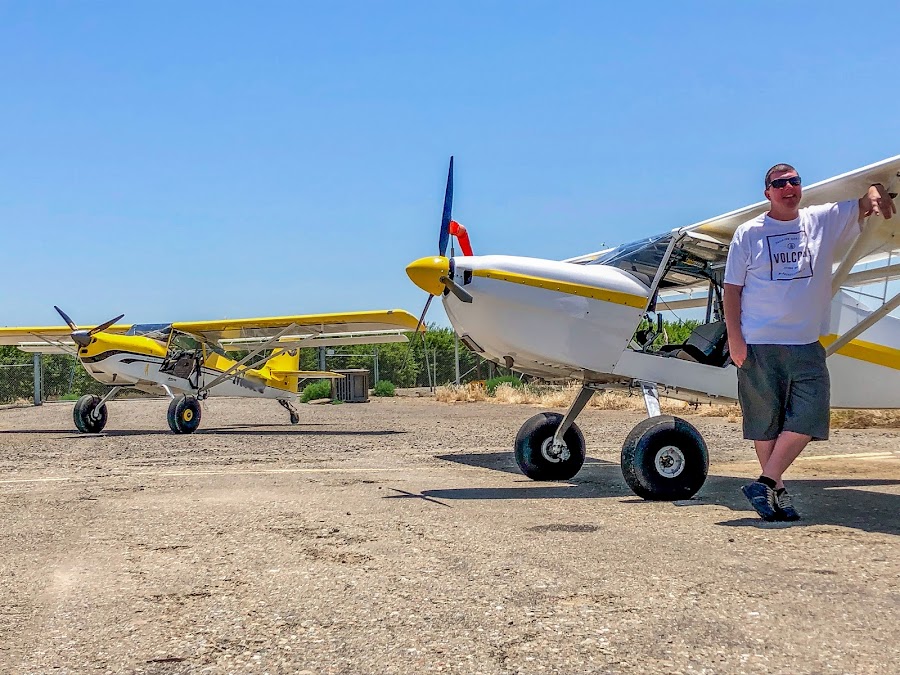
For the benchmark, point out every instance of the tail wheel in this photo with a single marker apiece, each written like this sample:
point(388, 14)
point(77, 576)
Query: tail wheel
point(89, 419)
point(665, 458)
point(535, 454)
point(295, 417)
point(184, 414)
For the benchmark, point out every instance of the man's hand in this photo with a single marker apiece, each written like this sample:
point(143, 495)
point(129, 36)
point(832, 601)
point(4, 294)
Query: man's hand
point(877, 201)
point(737, 349)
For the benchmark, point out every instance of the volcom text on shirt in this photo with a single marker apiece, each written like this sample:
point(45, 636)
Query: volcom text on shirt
point(785, 268)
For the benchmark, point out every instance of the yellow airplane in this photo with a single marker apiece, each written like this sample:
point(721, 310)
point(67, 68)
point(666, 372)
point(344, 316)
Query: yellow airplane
point(188, 361)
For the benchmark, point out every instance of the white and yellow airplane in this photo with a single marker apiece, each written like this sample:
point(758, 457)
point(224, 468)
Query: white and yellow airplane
point(188, 361)
point(595, 318)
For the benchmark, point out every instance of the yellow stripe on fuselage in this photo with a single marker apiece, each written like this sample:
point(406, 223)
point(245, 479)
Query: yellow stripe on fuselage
point(870, 352)
point(567, 287)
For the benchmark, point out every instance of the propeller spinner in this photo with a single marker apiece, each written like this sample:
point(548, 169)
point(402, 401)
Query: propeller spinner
point(82, 336)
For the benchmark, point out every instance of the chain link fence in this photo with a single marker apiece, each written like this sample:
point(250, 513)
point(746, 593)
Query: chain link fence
point(17, 383)
point(62, 377)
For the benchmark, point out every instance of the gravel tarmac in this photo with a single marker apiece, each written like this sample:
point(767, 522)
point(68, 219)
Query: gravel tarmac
point(398, 536)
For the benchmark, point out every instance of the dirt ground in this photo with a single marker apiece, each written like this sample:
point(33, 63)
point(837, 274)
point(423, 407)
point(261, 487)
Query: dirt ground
point(398, 536)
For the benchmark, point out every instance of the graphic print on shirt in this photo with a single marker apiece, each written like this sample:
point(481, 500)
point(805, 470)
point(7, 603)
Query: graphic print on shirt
point(789, 256)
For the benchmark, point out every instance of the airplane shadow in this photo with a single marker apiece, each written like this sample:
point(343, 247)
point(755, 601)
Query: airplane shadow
point(848, 502)
point(237, 430)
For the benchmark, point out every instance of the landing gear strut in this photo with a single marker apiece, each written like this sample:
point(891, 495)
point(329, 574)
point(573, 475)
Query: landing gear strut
point(663, 457)
point(287, 405)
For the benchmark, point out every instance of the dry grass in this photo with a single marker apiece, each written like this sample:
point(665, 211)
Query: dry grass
point(562, 397)
point(464, 393)
point(865, 419)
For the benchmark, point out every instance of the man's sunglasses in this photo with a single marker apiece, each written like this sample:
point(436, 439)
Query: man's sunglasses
point(779, 183)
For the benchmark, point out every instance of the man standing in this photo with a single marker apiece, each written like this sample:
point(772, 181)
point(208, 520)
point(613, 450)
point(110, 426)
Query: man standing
point(777, 304)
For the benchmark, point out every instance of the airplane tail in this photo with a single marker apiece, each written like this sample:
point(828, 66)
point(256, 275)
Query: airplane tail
point(284, 365)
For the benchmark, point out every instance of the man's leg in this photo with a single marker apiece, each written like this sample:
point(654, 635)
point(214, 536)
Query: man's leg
point(762, 392)
point(764, 452)
point(806, 416)
point(788, 447)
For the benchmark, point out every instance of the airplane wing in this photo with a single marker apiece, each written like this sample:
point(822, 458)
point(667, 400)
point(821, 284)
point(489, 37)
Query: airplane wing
point(305, 330)
point(46, 339)
point(703, 246)
point(850, 185)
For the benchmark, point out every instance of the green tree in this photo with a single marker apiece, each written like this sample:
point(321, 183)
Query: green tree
point(679, 331)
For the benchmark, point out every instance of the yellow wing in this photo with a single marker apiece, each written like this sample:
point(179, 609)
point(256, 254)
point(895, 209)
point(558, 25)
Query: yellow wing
point(46, 339)
point(305, 330)
point(302, 330)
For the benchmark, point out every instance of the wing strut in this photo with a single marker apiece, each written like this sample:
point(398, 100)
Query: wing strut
point(863, 244)
point(226, 374)
point(59, 345)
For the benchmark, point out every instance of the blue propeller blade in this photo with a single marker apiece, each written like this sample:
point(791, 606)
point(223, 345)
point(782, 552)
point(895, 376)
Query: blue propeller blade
point(444, 238)
point(65, 317)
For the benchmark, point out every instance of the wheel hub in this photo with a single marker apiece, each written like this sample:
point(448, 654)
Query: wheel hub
point(188, 415)
point(555, 453)
point(669, 461)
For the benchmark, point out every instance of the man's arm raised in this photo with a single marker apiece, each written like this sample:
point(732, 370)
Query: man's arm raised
point(877, 201)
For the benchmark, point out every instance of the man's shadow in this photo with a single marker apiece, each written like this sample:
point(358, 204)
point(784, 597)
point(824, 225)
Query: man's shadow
point(848, 502)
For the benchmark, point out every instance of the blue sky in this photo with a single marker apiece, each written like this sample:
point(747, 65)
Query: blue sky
point(200, 160)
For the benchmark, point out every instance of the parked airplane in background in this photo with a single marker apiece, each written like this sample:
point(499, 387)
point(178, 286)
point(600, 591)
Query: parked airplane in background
point(596, 318)
point(188, 360)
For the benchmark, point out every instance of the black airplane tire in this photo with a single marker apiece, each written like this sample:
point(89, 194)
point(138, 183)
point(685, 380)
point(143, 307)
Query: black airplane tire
point(184, 414)
point(295, 418)
point(533, 448)
point(85, 422)
point(665, 458)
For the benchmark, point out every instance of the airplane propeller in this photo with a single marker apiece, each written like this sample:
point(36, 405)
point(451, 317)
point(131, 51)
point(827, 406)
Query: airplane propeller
point(82, 336)
point(435, 274)
point(444, 236)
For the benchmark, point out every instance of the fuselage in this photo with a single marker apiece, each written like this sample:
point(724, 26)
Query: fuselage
point(136, 361)
point(563, 320)
point(545, 317)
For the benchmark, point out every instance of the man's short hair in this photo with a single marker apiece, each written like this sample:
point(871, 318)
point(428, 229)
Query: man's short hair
point(778, 168)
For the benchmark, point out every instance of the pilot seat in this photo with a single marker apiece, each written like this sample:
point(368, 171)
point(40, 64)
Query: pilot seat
point(707, 344)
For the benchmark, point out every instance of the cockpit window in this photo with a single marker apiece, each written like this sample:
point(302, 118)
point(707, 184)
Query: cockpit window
point(646, 251)
point(692, 259)
point(154, 331)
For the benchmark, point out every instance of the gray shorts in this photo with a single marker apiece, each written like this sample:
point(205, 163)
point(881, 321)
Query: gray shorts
point(785, 388)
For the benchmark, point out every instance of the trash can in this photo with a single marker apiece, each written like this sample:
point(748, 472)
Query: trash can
point(353, 387)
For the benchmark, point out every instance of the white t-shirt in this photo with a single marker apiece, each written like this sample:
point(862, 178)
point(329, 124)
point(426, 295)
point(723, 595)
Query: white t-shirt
point(785, 268)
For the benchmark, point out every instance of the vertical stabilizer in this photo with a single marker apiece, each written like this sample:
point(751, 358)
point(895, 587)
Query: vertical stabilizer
point(283, 366)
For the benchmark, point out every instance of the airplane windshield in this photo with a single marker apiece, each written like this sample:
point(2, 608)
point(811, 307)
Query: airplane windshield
point(643, 250)
point(155, 331)
point(692, 260)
